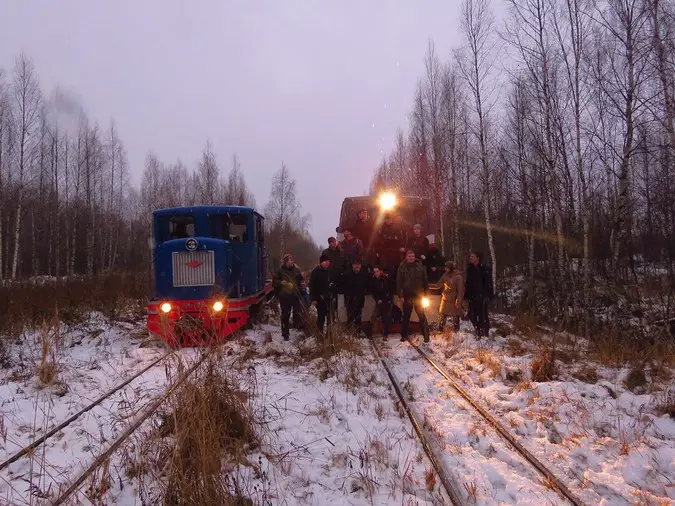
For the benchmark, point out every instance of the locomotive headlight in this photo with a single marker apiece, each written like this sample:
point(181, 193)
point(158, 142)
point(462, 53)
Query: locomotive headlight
point(166, 307)
point(425, 302)
point(387, 201)
point(217, 306)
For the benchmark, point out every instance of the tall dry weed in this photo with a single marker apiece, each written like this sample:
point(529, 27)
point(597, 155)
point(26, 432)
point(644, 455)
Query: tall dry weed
point(211, 422)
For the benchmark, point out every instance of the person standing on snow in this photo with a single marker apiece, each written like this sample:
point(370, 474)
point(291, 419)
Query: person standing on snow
point(412, 284)
point(355, 286)
point(320, 291)
point(336, 271)
point(287, 288)
point(478, 291)
point(452, 298)
point(381, 290)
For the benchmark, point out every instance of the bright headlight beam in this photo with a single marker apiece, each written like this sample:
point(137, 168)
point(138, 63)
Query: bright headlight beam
point(217, 306)
point(425, 302)
point(387, 201)
point(166, 307)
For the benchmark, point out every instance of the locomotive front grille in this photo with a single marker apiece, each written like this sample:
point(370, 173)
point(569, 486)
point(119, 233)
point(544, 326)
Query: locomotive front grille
point(193, 268)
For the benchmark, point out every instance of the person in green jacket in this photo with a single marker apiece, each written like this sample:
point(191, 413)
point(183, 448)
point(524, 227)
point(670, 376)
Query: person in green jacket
point(287, 288)
point(412, 285)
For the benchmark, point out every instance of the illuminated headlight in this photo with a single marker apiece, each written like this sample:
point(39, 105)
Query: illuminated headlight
point(217, 306)
point(166, 307)
point(425, 302)
point(387, 201)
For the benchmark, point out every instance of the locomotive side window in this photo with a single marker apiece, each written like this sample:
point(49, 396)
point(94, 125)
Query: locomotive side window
point(229, 227)
point(259, 230)
point(175, 227)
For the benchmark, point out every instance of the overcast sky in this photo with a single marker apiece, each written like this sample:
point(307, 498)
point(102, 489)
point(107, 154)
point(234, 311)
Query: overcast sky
point(321, 85)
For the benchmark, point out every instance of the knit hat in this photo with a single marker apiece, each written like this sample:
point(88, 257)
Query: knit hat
point(286, 257)
point(417, 225)
point(323, 258)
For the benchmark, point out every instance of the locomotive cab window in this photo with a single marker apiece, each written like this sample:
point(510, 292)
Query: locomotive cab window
point(176, 227)
point(229, 227)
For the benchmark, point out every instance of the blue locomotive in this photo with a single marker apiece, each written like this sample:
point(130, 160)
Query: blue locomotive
point(210, 267)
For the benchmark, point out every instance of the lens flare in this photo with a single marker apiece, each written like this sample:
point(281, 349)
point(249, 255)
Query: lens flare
point(166, 307)
point(217, 306)
point(387, 201)
point(425, 302)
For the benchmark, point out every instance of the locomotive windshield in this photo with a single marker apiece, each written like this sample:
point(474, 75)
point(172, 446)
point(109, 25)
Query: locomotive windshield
point(175, 227)
point(230, 227)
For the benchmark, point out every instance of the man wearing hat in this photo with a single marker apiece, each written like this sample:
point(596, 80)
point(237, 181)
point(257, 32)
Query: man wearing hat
point(320, 291)
point(452, 299)
point(287, 287)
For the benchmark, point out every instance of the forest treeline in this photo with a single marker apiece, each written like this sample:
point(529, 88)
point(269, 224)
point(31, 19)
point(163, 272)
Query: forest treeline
point(547, 141)
point(67, 206)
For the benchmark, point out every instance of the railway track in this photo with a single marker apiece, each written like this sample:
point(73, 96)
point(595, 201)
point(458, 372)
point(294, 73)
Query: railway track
point(452, 490)
point(28, 449)
point(103, 456)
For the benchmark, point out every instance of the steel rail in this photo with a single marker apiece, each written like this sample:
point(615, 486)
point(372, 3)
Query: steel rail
point(447, 484)
point(26, 449)
point(561, 488)
point(74, 486)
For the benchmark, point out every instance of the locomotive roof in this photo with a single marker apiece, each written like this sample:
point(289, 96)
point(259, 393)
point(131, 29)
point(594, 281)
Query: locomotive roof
point(172, 211)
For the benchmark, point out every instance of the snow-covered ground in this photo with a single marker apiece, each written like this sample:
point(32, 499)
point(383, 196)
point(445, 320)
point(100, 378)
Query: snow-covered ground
point(332, 428)
point(609, 445)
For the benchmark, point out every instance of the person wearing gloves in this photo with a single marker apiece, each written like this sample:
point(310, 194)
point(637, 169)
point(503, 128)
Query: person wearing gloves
point(452, 299)
point(412, 284)
point(287, 287)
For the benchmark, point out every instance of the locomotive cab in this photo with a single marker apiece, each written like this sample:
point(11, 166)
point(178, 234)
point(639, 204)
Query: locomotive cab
point(209, 271)
point(405, 212)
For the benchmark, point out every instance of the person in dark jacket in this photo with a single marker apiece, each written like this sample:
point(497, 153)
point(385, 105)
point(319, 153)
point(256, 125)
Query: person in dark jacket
point(390, 244)
point(478, 291)
point(435, 264)
point(336, 270)
point(412, 285)
point(352, 248)
point(355, 287)
point(287, 287)
point(320, 291)
point(363, 229)
point(418, 243)
point(382, 291)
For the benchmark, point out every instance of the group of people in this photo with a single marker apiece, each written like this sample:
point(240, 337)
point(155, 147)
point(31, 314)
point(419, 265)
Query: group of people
point(392, 263)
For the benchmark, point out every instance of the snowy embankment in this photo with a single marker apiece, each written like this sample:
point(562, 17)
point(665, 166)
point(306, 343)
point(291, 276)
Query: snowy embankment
point(609, 445)
point(331, 428)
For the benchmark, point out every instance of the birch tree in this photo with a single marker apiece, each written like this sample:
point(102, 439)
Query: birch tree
point(27, 98)
point(476, 61)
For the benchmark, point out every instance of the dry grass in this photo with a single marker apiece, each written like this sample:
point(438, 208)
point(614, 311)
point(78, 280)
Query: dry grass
point(543, 365)
point(665, 403)
point(430, 478)
point(471, 488)
point(587, 374)
point(25, 304)
point(487, 359)
point(210, 422)
point(47, 365)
